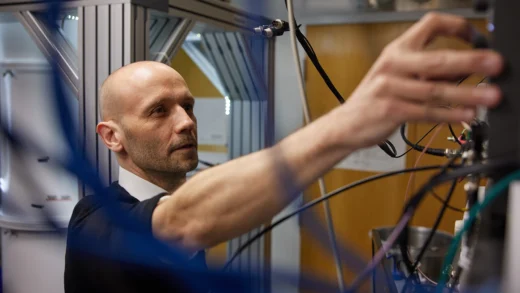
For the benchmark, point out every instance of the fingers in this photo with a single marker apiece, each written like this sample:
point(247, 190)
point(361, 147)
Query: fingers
point(411, 112)
point(444, 63)
point(437, 24)
point(431, 93)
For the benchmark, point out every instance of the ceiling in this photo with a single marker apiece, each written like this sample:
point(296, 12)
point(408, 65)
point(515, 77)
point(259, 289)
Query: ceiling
point(349, 6)
point(312, 8)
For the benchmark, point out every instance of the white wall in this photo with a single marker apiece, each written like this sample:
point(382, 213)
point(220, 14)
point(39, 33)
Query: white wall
point(16, 44)
point(32, 262)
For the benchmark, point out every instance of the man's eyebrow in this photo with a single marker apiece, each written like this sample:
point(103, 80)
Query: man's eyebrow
point(188, 98)
point(149, 106)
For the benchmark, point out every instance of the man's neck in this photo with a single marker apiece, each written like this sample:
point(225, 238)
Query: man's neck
point(166, 180)
point(169, 182)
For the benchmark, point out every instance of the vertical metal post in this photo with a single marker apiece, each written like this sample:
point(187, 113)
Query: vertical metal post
point(242, 66)
point(110, 36)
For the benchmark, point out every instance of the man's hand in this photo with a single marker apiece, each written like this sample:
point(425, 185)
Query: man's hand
point(404, 83)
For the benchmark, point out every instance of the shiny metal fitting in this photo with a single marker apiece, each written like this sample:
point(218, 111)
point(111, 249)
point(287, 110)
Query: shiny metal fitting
point(450, 153)
point(470, 186)
point(277, 24)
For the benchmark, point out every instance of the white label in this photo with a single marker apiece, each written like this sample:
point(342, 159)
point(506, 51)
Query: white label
point(374, 159)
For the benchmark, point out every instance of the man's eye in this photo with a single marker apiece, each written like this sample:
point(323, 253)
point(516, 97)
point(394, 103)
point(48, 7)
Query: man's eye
point(158, 110)
point(188, 108)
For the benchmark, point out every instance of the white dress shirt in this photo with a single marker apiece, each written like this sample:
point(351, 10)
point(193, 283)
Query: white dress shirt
point(137, 186)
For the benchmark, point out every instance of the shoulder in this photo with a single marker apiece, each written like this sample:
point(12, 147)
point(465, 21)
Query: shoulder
point(89, 206)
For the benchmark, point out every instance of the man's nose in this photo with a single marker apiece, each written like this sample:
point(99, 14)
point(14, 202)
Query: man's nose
point(183, 121)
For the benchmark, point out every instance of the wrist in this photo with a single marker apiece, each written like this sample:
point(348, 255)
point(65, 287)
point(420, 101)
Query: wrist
point(343, 131)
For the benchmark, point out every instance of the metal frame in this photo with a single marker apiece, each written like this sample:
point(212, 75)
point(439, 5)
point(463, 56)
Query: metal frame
point(35, 5)
point(174, 41)
point(160, 29)
point(208, 11)
point(205, 66)
point(102, 51)
point(241, 63)
point(216, 12)
point(52, 46)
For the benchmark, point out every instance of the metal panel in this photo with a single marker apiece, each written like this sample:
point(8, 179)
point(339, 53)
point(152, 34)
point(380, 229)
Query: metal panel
point(254, 66)
point(81, 88)
point(102, 70)
point(243, 65)
point(116, 37)
point(235, 146)
point(271, 79)
point(141, 45)
point(110, 36)
point(89, 84)
point(166, 27)
point(224, 61)
point(215, 55)
point(234, 62)
point(155, 24)
point(175, 41)
point(245, 148)
point(213, 12)
point(231, 63)
point(33, 5)
point(205, 65)
point(160, 5)
point(52, 46)
point(128, 34)
point(116, 62)
point(255, 252)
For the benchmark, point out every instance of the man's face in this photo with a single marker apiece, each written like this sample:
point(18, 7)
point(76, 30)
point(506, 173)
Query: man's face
point(160, 129)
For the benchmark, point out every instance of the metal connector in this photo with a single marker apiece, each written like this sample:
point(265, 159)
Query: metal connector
point(450, 153)
point(279, 24)
point(470, 186)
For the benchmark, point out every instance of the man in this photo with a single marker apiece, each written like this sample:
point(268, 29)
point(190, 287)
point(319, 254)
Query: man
point(148, 122)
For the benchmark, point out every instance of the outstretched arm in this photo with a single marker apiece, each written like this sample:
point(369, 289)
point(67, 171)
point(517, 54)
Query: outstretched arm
point(230, 199)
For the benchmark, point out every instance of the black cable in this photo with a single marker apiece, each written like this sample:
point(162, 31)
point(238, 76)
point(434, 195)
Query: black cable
point(443, 201)
point(435, 225)
point(442, 177)
point(327, 197)
point(387, 145)
point(456, 137)
point(418, 142)
point(420, 148)
point(404, 236)
point(431, 234)
point(314, 59)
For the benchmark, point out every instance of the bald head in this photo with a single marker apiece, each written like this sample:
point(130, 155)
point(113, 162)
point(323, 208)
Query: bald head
point(128, 84)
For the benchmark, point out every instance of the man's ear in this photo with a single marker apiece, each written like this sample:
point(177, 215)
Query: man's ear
point(109, 133)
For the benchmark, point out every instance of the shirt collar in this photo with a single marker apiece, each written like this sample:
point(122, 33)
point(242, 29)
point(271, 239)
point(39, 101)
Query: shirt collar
point(137, 186)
